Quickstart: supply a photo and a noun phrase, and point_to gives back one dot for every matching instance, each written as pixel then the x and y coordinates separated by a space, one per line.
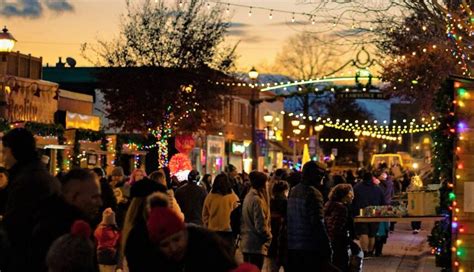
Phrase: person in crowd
pixel 121 191
pixel 137 175
pixel 74 251
pixel 238 185
pixel 386 184
pixel 367 193
pixel 3 189
pixel 30 184
pixel 309 248
pixel 206 182
pixel 185 248
pixel 218 206
pixel 350 178
pixel 280 174
pixel 337 179
pixel 338 222
pixel 294 179
pixel 159 176
pixel 107 193
pixel 79 200
pixel 277 252
pixel 256 230
pixel 191 198
pixel 135 245
pixel 107 236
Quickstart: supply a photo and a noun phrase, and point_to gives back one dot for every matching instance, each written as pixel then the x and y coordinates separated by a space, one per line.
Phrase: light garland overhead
pixel 395 127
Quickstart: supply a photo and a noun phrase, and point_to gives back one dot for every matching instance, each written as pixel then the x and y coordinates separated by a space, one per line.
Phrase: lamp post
pixel 7 42
pixel 253 75
pixel 296 131
pixel 318 129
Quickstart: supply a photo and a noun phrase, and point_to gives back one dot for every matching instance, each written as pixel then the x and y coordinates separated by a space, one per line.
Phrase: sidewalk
pixel 404 252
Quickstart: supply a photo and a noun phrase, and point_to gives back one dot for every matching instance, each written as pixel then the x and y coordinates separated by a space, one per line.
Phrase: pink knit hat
pixel 162 223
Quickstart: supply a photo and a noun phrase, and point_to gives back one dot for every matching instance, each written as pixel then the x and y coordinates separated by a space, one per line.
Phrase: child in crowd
pixel 107 235
pixel 72 252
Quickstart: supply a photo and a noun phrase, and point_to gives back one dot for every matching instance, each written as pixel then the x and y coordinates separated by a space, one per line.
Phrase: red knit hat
pixel 163 222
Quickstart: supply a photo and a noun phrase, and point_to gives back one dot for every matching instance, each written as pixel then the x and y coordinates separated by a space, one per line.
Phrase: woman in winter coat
pixel 278 251
pixel 339 224
pixel 218 206
pixel 256 231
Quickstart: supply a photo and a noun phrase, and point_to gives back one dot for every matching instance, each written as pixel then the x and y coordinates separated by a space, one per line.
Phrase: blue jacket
pixel 306 229
pixel 366 194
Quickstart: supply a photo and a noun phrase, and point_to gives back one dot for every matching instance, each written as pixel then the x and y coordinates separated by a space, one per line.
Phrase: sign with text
pixel 238 148
pixel 23 105
pixel 361 95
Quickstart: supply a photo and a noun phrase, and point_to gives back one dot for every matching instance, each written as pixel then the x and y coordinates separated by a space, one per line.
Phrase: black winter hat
pixel 22 144
pixel 146 187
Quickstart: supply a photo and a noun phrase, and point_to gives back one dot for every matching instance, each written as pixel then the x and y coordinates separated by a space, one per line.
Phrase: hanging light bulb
pixel 180 3
pixel 271 14
pixel 208 5
pixel 293 18
pixel 312 20
pixel 250 11
pixel 227 10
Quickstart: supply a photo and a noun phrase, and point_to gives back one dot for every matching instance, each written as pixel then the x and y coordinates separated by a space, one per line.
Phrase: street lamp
pixel 6 41
pixel 295 123
pixel 268 118
pixel 253 75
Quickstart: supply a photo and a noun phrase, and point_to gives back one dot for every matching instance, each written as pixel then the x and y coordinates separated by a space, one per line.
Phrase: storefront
pixel 215 154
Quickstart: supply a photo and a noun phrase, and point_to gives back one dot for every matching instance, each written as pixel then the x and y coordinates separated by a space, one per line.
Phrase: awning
pixel 279 146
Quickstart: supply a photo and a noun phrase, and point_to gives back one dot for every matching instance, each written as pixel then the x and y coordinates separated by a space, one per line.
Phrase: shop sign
pixel 215 145
pixel 184 143
pixel 238 148
pixel 24 106
pixel 82 121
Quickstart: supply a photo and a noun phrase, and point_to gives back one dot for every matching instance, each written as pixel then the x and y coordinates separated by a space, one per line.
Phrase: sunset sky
pixel 57 28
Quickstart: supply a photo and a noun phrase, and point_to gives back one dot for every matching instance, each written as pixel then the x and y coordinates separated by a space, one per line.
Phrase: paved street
pixel 404 252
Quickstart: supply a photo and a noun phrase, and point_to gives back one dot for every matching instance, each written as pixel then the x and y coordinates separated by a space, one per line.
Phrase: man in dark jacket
pixel 309 248
pixel 80 199
pixel 190 198
pixel 30 185
pixel 367 193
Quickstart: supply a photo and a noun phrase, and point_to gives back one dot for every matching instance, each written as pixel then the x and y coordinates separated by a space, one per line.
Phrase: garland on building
pixel 86 135
pixel 137 142
pixel 444 138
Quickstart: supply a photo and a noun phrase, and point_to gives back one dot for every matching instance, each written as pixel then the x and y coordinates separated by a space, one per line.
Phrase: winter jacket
pixel 335 218
pixel 30 185
pixel 191 198
pixel 306 229
pixel 55 219
pixel 107 237
pixel 138 248
pixel 255 229
pixel 279 244
pixel 388 189
pixel 205 252
pixel 217 209
pixel 366 193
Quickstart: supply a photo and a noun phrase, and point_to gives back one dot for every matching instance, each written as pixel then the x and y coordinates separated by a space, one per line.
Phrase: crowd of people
pixel 86 221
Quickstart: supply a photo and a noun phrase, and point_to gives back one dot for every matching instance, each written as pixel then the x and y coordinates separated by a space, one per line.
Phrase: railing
pixel 20 65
